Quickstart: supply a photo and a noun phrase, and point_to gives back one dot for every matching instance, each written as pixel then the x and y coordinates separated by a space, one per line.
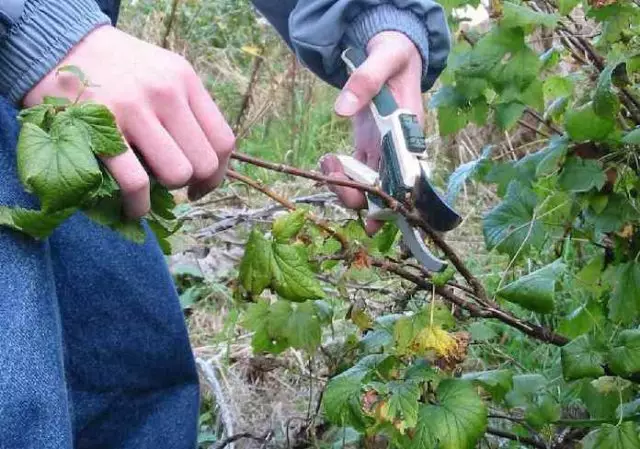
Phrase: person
pixel 93 347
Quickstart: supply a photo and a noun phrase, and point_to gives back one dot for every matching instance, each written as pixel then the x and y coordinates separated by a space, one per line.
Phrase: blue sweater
pixel 36 34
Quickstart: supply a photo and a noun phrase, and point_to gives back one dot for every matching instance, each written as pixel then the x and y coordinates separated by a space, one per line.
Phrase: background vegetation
pixel 310 333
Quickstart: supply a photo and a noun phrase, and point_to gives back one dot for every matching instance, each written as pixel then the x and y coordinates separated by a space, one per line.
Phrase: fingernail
pixel 346 104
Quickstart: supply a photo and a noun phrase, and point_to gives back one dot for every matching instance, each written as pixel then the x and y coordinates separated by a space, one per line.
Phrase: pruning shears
pixel 404 173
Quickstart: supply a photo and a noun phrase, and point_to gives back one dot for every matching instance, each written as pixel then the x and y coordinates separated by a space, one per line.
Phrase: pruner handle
pixel 384 101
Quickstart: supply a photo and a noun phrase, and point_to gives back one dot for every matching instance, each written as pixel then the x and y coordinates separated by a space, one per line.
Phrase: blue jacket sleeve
pixel 318 30
pixel 35 35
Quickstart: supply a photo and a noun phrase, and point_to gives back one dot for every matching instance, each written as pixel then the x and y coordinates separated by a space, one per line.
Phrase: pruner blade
pixel 360 172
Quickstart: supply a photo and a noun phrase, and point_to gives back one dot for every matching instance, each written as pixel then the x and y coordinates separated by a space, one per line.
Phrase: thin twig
pixel 322 224
pixel 245 435
pixel 211 379
pixel 282 168
pixel 513 437
pixel 170 19
pixel 246 98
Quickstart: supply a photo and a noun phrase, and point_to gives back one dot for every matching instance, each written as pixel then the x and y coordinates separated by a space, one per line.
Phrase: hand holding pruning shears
pixel 384 97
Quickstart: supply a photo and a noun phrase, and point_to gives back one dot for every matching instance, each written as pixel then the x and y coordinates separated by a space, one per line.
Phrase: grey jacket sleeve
pixel 318 30
pixel 36 34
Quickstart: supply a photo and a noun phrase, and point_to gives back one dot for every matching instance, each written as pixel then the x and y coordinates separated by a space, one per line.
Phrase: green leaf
pixel 551 58
pixel 465 172
pixel 583 124
pixel 566 6
pixel 581 359
pixel 278 318
pixel 36 115
pixel 511 225
pixel 481 332
pixel 581 175
pixel 341 399
pixel 451 120
pixel 557 86
pixel 447 96
pixel 524 17
pixel 56 101
pixel 385 238
pixel 582 320
pixel 100 125
pixel 489 51
pixel 508 114
pixel 535 291
pixel 287 226
pixel 37 224
pixel 624 304
pixel 255 267
pixel 403 401
pixel 497 382
pixel 601 400
pixel 74 70
pixel 553 156
pixel 58 167
pixel 525 388
pixel 632 137
pixel 605 102
pixel 162 201
pixel 624 357
pixel 258 318
pixel 544 410
pixel 303 327
pixel 457 421
pixel 292 277
pixel 623 436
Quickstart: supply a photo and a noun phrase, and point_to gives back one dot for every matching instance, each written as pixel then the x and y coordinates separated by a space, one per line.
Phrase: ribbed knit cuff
pixel 390 18
pixel 45 33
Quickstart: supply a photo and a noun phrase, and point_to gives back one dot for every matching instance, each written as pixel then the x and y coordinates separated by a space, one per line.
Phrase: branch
pixel 246 99
pixel 486 308
pixel 170 19
pixel 513 437
pixel 322 224
pixel 239 436
pixel 392 203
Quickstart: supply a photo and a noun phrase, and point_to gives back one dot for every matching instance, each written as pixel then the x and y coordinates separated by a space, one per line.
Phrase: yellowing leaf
pixel 251 49
pixel 435 339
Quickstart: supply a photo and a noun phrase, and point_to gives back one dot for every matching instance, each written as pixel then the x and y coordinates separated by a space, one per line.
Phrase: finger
pixel 366 139
pixel 217 130
pixel 192 141
pixel 161 153
pixel 407 92
pixel 133 181
pixel 350 197
pixel 367 80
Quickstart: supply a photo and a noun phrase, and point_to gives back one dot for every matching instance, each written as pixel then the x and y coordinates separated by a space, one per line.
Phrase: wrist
pixel 379 24
pixel 44 34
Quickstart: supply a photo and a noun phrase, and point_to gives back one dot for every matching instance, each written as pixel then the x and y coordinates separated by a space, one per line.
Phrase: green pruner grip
pixel 404 172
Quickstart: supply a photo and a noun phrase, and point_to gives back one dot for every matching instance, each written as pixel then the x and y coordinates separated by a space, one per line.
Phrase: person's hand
pixel 392 59
pixel 161 107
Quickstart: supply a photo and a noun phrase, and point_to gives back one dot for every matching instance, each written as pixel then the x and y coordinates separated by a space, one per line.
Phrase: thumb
pixel 367 80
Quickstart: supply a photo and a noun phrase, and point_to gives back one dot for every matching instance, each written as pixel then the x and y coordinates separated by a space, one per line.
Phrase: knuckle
pixel 227 142
pixel 205 169
pixel 128 106
pixel 162 92
pixel 178 177
pixel 367 81
pixel 135 183
pixel 184 67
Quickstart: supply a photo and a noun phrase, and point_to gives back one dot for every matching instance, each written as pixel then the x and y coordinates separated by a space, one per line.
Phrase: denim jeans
pixel 93 347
